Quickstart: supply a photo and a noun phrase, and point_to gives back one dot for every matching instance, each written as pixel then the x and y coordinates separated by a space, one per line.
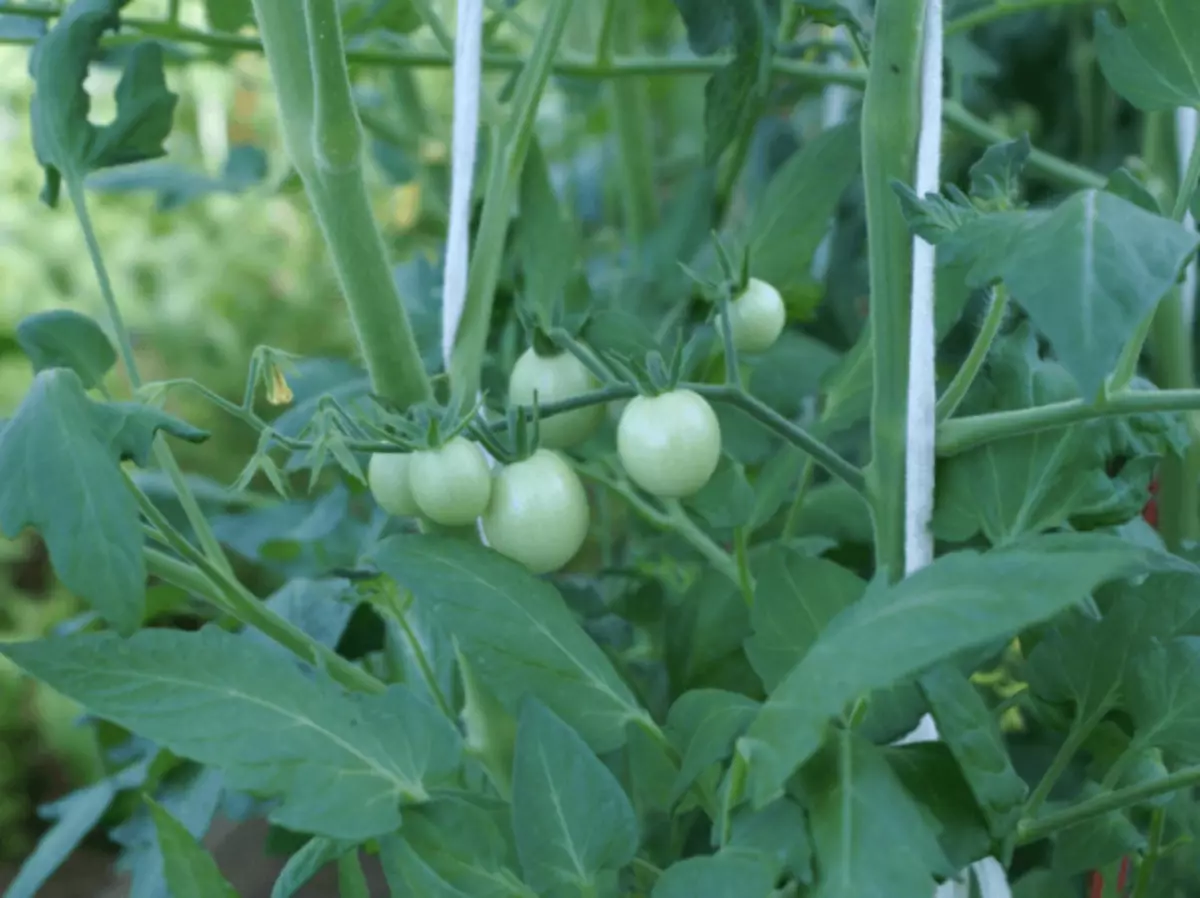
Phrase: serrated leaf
pixel 63 338
pixel 870 838
pixel 306 863
pixel 795 596
pixel 571 818
pixel 349 760
pixel 66 143
pixel 61 456
pixel 960 601
pixel 725 875
pixel 996 177
pixel 190 871
pixel 1152 59
pixel 517 631
pixel 704 724
pixel 968 727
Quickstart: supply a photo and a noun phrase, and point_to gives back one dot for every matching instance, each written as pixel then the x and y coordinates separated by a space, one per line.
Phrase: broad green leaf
pixel 305 864
pixel 74 816
pixel 189 869
pixel 540 227
pixel 349 760
pixel 935 780
pixel 968 727
pixel 1163 696
pixel 790 220
pixel 60 458
pixel 229 15
pixel 64 338
pixel 705 628
pixel 407 874
pixel 1152 58
pixel 704 724
pixel 466 845
pixel 795 596
pixel 871 839
pixel 571 818
pixel 67 144
pixel 962 600
pixel 517 632
pixel 780 832
pixel 727 500
pixel 724 875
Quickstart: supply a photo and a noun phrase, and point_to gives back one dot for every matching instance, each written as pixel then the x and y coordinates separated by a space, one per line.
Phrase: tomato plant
pixel 822 606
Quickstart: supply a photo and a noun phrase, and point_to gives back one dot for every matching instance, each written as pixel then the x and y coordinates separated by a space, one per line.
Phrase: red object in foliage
pixel 1150 512
pixel 1098 880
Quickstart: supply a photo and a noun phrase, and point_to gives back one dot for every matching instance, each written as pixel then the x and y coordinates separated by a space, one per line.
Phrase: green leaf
pixel 1152 58
pixel 704 724
pixel 727 500
pixel 961 601
pixel 540 226
pixel 1088 273
pixel 725 875
pixel 316 607
pixel 1163 696
pixel 60 458
pixel 792 217
pixel 348 761
pixel 302 866
pixel 229 15
pixel 67 144
pixel 571 818
pixel 932 776
pixel 779 831
pixel 795 596
pixel 517 631
pixel 63 338
pixel 407 874
pixel 705 629
pixel 467 845
pixel 190 871
pixel 996 177
pixel 871 839
pixel 968 727
pixel 1095 842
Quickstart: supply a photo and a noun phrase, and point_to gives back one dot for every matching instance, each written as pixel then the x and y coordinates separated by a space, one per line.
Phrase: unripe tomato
pixel 757 317
pixel 538 513
pixel 555 378
pixel 387 476
pixel 451 484
pixel 669 444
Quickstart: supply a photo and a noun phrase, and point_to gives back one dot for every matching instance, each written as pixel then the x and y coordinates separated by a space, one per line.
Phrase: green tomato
pixel 538 514
pixel 757 317
pixel 387 476
pixel 669 444
pixel 555 378
pixel 451 484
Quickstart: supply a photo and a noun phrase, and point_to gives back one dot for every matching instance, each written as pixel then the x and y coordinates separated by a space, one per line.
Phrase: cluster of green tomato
pixel 535 511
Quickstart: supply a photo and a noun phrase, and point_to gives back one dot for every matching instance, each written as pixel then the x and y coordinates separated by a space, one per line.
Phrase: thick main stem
pixel 890 125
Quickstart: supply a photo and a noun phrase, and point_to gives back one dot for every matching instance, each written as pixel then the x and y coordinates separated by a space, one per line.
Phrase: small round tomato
pixel 387 476
pixel 757 317
pixel 538 514
pixel 669 444
pixel 451 484
pixel 555 378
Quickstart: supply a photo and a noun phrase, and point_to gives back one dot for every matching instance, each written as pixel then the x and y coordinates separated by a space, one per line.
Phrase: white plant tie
pixel 1185 137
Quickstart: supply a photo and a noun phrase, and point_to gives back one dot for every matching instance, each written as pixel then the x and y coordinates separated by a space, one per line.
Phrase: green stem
pixel 1078 734
pixel 961 434
pixel 961 383
pixel 741 555
pixel 1030 830
pixel 1183 196
pixel 335 184
pixel 890 124
pixel 629 108
pixel 1158 824
pixel 509 146
pixel 793 433
pixel 398 612
pixel 1001 9
pixel 162 452
pixel 792 521
pixel 352 881
pixel 237 600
